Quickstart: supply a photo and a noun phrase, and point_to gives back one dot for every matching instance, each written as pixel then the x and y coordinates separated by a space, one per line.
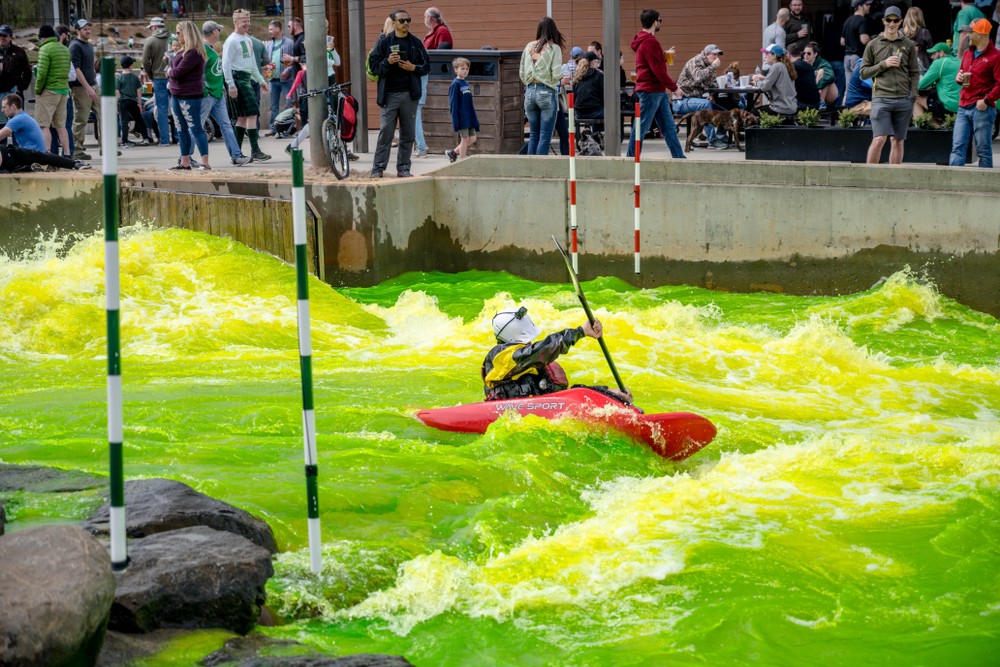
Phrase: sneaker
pixel 80 155
pixel 376 173
pixel 404 173
pixel 719 144
pixel 128 144
pixel 699 144
pixel 81 165
pixel 38 167
pixel 260 156
pixel 452 155
pixel 352 157
pixel 200 167
pixel 179 167
pixel 420 154
pixel 145 142
pixel 241 160
pixel 288 148
pixel 270 133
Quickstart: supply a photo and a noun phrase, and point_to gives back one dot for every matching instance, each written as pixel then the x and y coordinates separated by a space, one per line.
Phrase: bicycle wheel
pixel 335 149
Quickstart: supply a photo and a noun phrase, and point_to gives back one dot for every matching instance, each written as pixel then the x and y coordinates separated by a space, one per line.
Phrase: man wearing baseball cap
pixel 154 64
pixel 979 75
pixel 698 75
pixel 84 89
pixel 15 71
pixel 939 90
pixel 891 61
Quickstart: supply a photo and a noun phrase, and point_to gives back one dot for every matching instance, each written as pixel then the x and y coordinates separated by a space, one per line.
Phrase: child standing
pixel 129 93
pixel 463 113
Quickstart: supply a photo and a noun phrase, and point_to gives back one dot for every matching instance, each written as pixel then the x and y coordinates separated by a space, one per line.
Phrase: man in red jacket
pixel 979 76
pixel 652 83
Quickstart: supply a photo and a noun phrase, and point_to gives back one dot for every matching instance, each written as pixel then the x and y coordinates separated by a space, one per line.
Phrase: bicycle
pixel 333 143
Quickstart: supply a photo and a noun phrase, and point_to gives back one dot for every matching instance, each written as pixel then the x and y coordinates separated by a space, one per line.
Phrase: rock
pixel 257 650
pixel 158 505
pixel 56 590
pixel 125 649
pixel 37 479
pixel 191 578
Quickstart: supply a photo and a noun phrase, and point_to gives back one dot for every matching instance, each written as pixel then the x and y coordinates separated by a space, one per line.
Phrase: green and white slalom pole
pixel 112 290
pixel 305 361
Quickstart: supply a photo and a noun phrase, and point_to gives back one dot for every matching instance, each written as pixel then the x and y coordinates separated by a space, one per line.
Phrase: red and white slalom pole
pixel 572 185
pixel 638 150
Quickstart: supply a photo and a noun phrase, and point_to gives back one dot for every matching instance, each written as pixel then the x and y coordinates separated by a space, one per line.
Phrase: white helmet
pixel 514 326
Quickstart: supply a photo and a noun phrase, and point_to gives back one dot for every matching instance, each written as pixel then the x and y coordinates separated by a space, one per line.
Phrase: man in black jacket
pixel 15 71
pixel 399 60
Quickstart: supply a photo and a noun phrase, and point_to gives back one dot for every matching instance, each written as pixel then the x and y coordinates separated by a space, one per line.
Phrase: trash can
pixel 497 94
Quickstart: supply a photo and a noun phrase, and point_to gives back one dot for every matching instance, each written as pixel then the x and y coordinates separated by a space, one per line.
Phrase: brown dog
pixel 733 121
pixel 734 69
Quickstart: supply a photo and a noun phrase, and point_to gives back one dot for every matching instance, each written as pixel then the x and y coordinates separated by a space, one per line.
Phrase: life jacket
pixel 534 381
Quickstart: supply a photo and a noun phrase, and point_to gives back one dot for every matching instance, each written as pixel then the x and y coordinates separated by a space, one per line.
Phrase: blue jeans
pixel 187 118
pixel 540 106
pixel 217 109
pixel 656 107
pixel 972 122
pixel 421 142
pixel 162 97
pixel 690 105
pixel 277 91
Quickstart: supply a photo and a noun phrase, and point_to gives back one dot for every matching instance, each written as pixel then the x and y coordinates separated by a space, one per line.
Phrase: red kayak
pixel 672 435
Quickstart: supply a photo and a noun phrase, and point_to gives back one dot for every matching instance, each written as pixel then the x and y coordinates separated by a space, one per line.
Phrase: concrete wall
pixel 47 206
pixel 802 228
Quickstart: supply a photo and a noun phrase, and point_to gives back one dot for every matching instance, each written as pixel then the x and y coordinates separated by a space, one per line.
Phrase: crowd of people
pixel 184 78
pixel 887 63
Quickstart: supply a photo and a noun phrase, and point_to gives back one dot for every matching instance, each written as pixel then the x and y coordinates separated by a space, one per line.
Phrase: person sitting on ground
pixel 938 89
pixel 29 153
pixel 516 367
pixel 825 78
pixel 697 75
pixel 806 92
pixel 588 88
pixel 778 84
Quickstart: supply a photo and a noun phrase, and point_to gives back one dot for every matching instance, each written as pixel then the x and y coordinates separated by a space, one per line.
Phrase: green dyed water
pixel 845 515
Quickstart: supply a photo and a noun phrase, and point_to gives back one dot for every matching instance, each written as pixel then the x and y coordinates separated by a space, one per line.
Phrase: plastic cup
pixel 394 48
pixel 720 81
pixel 670 57
pixel 744 81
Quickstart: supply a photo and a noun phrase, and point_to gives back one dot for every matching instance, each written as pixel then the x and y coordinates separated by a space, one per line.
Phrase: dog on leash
pixel 733 121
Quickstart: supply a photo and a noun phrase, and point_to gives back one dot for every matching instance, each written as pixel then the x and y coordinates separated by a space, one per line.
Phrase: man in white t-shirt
pixel 239 67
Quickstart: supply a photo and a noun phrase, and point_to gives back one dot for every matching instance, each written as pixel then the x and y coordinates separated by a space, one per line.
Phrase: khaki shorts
pixel 467 132
pixel 50 109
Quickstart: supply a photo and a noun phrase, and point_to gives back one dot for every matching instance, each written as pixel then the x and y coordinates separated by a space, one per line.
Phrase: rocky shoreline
pixel 194 562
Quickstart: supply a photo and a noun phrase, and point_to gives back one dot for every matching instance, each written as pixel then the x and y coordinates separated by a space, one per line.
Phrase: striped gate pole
pixel 305 362
pixel 638 150
pixel 112 291
pixel 572 184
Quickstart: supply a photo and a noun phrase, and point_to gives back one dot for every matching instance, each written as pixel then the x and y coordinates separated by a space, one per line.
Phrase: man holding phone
pixel 399 60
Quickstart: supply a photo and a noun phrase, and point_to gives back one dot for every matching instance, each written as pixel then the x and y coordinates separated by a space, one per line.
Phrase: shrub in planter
pixel 769 120
pixel 847 119
pixel 925 121
pixel 808 117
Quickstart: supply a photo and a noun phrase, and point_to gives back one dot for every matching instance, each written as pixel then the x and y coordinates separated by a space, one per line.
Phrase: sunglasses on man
pixel 403 20
pixel 892 20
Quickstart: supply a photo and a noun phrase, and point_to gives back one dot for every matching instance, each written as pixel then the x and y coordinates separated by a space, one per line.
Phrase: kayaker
pixel 516 367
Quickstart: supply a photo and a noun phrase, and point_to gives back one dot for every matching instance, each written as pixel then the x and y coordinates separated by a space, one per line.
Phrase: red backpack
pixel 348 117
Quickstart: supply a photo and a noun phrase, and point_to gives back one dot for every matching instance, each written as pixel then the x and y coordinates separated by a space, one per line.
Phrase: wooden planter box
pixel 839 144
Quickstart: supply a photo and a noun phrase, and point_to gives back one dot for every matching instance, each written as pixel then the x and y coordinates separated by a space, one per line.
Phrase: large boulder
pixel 191 578
pixel 158 505
pixel 37 479
pixel 56 590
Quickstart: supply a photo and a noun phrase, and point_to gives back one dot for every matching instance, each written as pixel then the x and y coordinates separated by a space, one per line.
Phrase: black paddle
pixel 590 315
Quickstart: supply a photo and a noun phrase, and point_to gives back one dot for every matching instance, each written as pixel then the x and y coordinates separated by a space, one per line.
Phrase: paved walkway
pixel 146 158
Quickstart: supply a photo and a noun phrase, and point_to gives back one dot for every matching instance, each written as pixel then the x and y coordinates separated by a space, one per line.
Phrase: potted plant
pixel 808 117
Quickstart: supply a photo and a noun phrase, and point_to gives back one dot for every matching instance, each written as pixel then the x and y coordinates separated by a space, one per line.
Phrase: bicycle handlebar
pixel 337 87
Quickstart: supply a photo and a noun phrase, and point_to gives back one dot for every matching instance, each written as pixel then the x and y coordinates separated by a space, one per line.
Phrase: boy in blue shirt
pixel 463 113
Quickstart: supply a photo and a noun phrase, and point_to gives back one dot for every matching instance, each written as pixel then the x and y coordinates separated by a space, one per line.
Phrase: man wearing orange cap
pixel 979 76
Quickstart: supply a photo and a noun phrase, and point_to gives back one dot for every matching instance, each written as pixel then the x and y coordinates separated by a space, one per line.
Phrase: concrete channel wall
pixel 802 228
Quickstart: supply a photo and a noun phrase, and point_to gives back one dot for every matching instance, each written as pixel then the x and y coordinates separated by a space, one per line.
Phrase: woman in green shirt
pixel 825 81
